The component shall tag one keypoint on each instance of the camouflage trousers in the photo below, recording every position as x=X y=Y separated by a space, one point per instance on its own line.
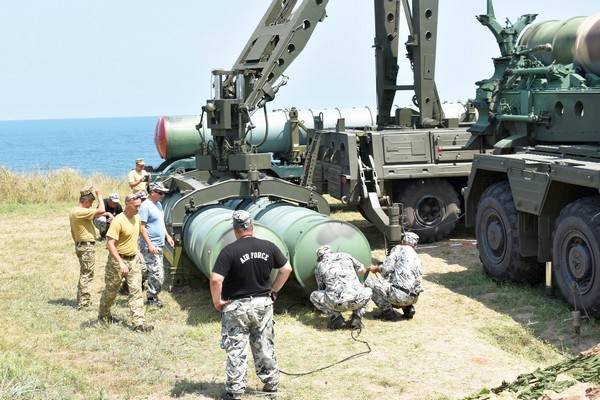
x=153 y=271
x=112 y=281
x=86 y=254
x=249 y=320
x=332 y=304
x=386 y=296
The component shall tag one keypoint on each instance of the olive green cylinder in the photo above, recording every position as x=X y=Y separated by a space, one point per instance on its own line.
x=304 y=231
x=177 y=137
x=207 y=231
x=575 y=40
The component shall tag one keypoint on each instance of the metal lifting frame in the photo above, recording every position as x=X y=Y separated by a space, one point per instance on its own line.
x=422 y=21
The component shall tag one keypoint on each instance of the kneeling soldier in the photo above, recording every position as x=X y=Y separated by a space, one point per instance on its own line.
x=339 y=289
x=401 y=283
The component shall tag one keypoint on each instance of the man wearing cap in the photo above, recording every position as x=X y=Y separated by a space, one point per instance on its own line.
x=138 y=177
x=152 y=241
x=124 y=261
x=84 y=236
x=242 y=291
x=338 y=288
x=401 y=283
x=112 y=207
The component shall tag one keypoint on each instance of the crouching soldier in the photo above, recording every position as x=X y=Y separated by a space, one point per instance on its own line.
x=401 y=283
x=339 y=289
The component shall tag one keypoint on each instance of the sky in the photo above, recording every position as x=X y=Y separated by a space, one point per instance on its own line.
x=80 y=59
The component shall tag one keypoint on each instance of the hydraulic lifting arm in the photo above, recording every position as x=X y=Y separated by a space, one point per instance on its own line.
x=256 y=77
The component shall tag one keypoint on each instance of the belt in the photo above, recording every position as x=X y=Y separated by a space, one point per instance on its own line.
x=78 y=243
x=251 y=297
x=128 y=258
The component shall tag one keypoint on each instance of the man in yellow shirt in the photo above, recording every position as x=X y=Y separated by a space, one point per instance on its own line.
x=138 y=177
x=81 y=219
x=124 y=261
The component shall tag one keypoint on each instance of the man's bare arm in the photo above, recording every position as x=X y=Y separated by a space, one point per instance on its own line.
x=216 y=288
x=282 y=276
x=100 y=210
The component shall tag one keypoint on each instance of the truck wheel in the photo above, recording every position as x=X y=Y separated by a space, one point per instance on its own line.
x=497 y=236
x=576 y=254
x=431 y=208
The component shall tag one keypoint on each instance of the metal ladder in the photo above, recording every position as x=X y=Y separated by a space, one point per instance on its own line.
x=311 y=160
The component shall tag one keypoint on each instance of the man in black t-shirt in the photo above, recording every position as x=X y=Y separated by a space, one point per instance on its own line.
x=241 y=289
x=112 y=207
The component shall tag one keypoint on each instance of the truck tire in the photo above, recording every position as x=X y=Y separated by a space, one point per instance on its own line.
x=497 y=234
x=431 y=208
x=576 y=254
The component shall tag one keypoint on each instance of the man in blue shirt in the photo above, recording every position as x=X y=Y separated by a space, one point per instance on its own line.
x=153 y=234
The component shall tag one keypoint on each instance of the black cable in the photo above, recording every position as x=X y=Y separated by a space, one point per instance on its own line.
x=354 y=334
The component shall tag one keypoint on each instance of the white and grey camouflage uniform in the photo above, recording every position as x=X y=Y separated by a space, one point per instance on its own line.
x=153 y=270
x=339 y=289
x=402 y=273
x=249 y=320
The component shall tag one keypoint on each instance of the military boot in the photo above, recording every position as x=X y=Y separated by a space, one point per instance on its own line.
x=356 y=322
x=386 y=315
x=143 y=328
x=336 y=322
x=409 y=312
x=153 y=301
x=270 y=388
x=230 y=396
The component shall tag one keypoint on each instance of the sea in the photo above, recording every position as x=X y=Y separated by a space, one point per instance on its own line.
x=91 y=145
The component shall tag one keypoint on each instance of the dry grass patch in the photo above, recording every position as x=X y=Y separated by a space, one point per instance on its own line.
x=62 y=185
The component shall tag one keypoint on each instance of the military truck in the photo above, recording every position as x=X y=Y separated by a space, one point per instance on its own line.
x=534 y=203
x=415 y=156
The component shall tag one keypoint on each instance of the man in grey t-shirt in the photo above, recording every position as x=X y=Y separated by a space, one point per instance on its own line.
x=152 y=240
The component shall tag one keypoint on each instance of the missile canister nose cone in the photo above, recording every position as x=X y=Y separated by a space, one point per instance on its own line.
x=575 y=40
x=587 y=46
x=160 y=138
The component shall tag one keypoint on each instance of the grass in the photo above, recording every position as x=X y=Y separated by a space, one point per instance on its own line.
x=469 y=332
x=15 y=384
x=58 y=186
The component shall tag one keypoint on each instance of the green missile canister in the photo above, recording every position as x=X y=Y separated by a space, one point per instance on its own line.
x=208 y=230
x=575 y=40
x=304 y=231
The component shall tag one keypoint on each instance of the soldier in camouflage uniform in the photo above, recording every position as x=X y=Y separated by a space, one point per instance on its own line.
x=339 y=289
x=401 y=283
x=82 y=230
x=241 y=290
x=124 y=260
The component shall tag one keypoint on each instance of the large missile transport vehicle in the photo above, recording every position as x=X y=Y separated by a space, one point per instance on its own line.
x=230 y=173
x=534 y=203
x=414 y=156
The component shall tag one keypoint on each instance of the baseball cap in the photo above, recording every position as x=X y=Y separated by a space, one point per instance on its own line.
x=114 y=197
x=137 y=195
x=86 y=191
x=321 y=251
x=139 y=161
x=410 y=238
x=241 y=219
x=158 y=187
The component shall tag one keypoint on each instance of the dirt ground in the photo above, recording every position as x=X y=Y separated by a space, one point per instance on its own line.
x=469 y=332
